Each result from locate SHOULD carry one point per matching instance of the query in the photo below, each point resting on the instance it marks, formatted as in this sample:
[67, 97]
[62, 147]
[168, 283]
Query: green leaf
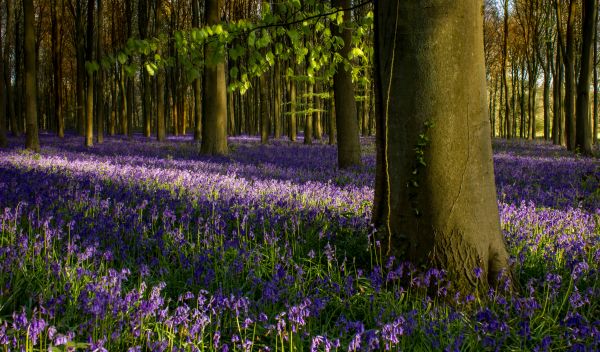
[151, 68]
[122, 58]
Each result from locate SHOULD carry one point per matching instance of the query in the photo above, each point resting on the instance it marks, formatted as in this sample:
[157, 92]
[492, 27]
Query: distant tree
[89, 110]
[345, 103]
[435, 197]
[3, 98]
[583, 136]
[31, 140]
[214, 94]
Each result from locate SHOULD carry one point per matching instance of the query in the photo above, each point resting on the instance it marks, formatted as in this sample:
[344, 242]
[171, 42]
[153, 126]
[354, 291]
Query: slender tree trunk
[332, 115]
[532, 99]
[453, 225]
[293, 118]
[143, 22]
[214, 133]
[277, 100]
[89, 125]
[583, 136]
[569, 58]
[3, 97]
[547, 78]
[264, 111]
[100, 77]
[32, 140]
[57, 67]
[595, 123]
[507, 113]
[197, 84]
[308, 122]
[522, 102]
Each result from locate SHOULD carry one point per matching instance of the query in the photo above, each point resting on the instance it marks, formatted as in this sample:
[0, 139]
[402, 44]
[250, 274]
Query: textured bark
[430, 81]
[214, 133]
[31, 140]
[345, 112]
[583, 134]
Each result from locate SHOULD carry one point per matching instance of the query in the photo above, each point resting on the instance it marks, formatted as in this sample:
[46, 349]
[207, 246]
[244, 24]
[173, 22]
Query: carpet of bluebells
[135, 245]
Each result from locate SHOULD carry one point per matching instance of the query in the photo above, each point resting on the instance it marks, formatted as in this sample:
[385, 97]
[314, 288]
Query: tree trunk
[507, 113]
[89, 124]
[547, 78]
[214, 134]
[433, 135]
[331, 117]
[277, 100]
[570, 78]
[293, 118]
[3, 97]
[197, 84]
[143, 21]
[308, 122]
[595, 123]
[57, 67]
[583, 136]
[31, 140]
[160, 106]
[264, 110]
[100, 118]
[345, 103]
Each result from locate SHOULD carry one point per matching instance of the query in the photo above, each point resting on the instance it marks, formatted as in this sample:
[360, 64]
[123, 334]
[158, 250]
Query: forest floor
[135, 245]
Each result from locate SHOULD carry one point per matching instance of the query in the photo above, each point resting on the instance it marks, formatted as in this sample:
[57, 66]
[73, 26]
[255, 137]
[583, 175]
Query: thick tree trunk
[433, 134]
[214, 133]
[31, 140]
[345, 112]
[583, 136]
